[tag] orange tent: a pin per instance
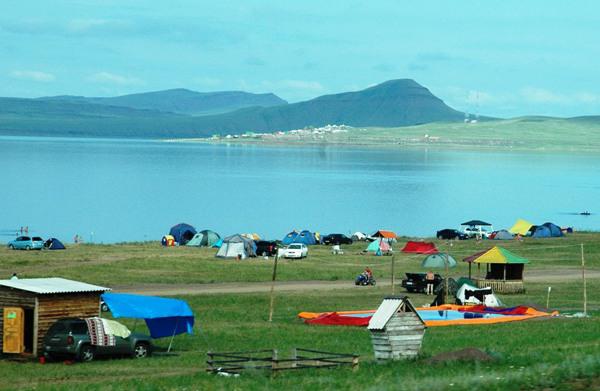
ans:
(384, 234)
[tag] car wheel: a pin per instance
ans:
(28, 247)
(86, 354)
(141, 350)
(11, 247)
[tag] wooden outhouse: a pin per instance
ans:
(396, 329)
(28, 307)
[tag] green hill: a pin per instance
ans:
(393, 103)
(181, 101)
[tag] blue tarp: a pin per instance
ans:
(164, 317)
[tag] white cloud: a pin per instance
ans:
(112, 78)
(33, 75)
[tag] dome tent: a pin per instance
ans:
(54, 244)
(503, 235)
(204, 238)
(305, 237)
(237, 246)
(182, 233)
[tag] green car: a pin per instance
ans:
(69, 338)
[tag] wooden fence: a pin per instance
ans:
(502, 286)
(235, 362)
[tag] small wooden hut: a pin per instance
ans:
(396, 329)
(28, 307)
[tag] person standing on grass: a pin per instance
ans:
(429, 279)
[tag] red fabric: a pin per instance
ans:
(481, 309)
(420, 248)
(335, 319)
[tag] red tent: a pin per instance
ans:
(420, 248)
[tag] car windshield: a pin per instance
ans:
(37, 239)
(295, 246)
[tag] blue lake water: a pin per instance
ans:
(126, 190)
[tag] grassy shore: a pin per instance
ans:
(551, 354)
(137, 263)
(542, 134)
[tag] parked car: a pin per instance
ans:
(451, 234)
(295, 250)
(415, 282)
(26, 243)
(69, 337)
(336, 239)
(473, 232)
(266, 247)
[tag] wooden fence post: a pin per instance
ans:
(273, 287)
(393, 288)
(584, 282)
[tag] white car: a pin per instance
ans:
(295, 250)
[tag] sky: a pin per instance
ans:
(500, 58)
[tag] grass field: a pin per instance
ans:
(559, 353)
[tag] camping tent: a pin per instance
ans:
(358, 236)
(554, 229)
(540, 231)
(305, 237)
(204, 238)
(182, 233)
(252, 236)
(237, 246)
(379, 247)
(54, 244)
(164, 317)
(521, 227)
(419, 248)
(389, 235)
(503, 235)
(489, 300)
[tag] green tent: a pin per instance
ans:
(205, 238)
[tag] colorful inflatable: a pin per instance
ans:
(444, 315)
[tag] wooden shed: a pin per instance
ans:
(396, 329)
(28, 307)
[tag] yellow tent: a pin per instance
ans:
(521, 227)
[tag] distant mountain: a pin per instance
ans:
(390, 104)
(393, 103)
(181, 101)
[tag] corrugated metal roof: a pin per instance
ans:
(387, 308)
(51, 285)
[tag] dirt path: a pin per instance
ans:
(539, 275)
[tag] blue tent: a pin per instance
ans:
(555, 230)
(54, 244)
(164, 317)
(182, 233)
(305, 237)
(541, 232)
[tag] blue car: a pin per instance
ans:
(26, 243)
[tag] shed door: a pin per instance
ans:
(12, 336)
